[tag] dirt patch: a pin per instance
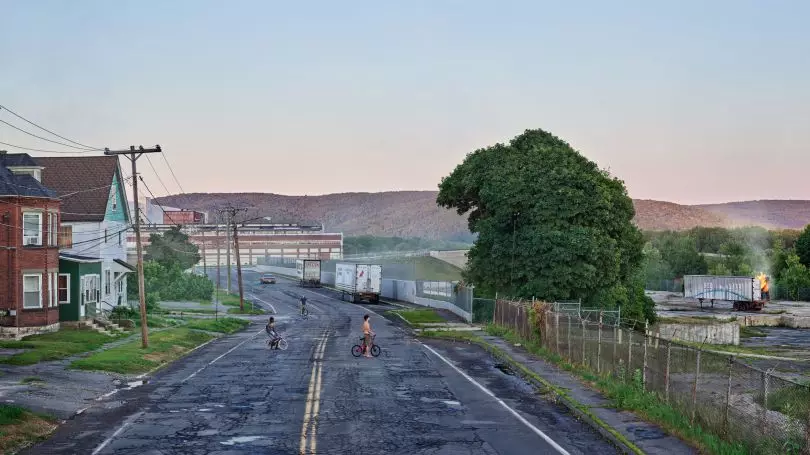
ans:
(165, 356)
(30, 429)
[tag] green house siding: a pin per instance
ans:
(70, 311)
(116, 203)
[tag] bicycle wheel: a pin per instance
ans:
(282, 344)
(357, 350)
(305, 312)
(375, 350)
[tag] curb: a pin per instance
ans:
(579, 410)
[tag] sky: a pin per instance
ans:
(688, 101)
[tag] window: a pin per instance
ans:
(105, 236)
(65, 236)
(107, 283)
(114, 200)
(90, 288)
(53, 228)
(32, 291)
(63, 288)
(32, 228)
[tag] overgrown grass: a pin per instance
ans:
(624, 395)
(31, 380)
(247, 310)
(156, 321)
(20, 428)
(420, 316)
(792, 401)
(164, 347)
(223, 325)
(702, 320)
(56, 345)
(751, 332)
(229, 299)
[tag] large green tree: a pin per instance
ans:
(172, 249)
(550, 223)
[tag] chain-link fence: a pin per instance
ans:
(483, 310)
(741, 403)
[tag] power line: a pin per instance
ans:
(156, 175)
(45, 129)
(43, 150)
(172, 171)
(83, 149)
(165, 212)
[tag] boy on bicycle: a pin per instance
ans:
(367, 334)
(271, 330)
(303, 305)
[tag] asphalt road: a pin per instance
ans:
(234, 396)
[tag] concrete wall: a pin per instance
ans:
(775, 320)
(725, 333)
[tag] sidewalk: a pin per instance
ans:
(650, 438)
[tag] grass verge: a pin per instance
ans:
(247, 310)
(20, 428)
(223, 325)
(625, 396)
(54, 346)
(420, 316)
(164, 347)
(751, 332)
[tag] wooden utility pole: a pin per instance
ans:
(132, 154)
(231, 224)
(238, 268)
(228, 250)
(205, 267)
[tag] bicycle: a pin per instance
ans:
(282, 344)
(304, 312)
(360, 349)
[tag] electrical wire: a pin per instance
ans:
(165, 212)
(182, 191)
(45, 129)
(43, 150)
(157, 175)
(83, 150)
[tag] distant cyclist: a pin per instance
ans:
(303, 306)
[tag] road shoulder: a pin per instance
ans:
(627, 431)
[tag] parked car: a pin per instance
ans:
(268, 279)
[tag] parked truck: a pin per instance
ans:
(745, 292)
(308, 272)
(359, 281)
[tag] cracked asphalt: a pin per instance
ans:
(234, 396)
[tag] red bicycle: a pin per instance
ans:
(360, 349)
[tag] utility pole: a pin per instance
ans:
(132, 154)
(219, 267)
(228, 251)
(205, 267)
(231, 213)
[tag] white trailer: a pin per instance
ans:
(743, 291)
(308, 272)
(360, 281)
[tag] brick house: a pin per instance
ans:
(29, 255)
(93, 233)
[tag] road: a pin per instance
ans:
(234, 396)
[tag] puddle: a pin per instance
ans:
(240, 440)
(505, 369)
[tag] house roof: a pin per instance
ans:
(83, 184)
(78, 258)
(17, 160)
(20, 185)
(125, 264)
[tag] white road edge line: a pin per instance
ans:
(517, 415)
(221, 356)
(117, 432)
(255, 297)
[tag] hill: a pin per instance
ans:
(415, 214)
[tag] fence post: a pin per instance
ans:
(765, 381)
(583, 342)
(644, 364)
(517, 316)
(695, 387)
(570, 357)
(629, 372)
(557, 332)
(666, 371)
(807, 431)
(728, 397)
(616, 338)
(599, 346)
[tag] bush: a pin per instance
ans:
(152, 302)
(124, 312)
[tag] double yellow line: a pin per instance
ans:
(313, 404)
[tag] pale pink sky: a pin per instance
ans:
(689, 102)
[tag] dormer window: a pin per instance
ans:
(34, 172)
